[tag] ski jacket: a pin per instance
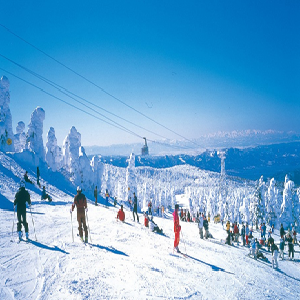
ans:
(177, 227)
(243, 231)
(79, 202)
(95, 193)
(228, 226)
(121, 215)
(200, 224)
(282, 232)
(135, 200)
(22, 196)
(146, 222)
(253, 244)
(236, 229)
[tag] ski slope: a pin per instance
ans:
(123, 260)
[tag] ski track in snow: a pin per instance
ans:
(125, 260)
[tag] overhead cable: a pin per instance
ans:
(96, 85)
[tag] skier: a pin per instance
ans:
(45, 196)
(26, 178)
(274, 249)
(270, 240)
(135, 208)
(281, 247)
(38, 176)
(253, 248)
(96, 195)
(115, 201)
(294, 232)
(282, 232)
(150, 208)
(121, 214)
(200, 225)
(247, 234)
(106, 196)
(22, 196)
(153, 226)
(205, 225)
(264, 228)
(289, 239)
(146, 219)
(236, 232)
(81, 204)
(243, 234)
(228, 226)
(177, 228)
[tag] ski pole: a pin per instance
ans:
(32, 222)
(183, 240)
(72, 226)
(12, 230)
(87, 220)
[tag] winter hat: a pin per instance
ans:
(78, 189)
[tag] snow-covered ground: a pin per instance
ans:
(124, 260)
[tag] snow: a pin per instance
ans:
(123, 260)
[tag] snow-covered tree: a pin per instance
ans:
(20, 137)
(6, 132)
(34, 138)
(71, 145)
(53, 152)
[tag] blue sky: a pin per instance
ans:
(196, 67)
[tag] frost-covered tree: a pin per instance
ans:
(71, 145)
(272, 203)
(34, 138)
(6, 132)
(289, 204)
(20, 137)
(53, 152)
(130, 177)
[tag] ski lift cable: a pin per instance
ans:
(114, 125)
(66, 92)
(94, 84)
(53, 96)
(47, 81)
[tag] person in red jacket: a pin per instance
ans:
(80, 203)
(146, 219)
(121, 214)
(177, 228)
(236, 232)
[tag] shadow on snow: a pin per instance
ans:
(110, 249)
(213, 267)
(43, 246)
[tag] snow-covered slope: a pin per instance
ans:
(123, 260)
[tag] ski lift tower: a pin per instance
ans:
(145, 150)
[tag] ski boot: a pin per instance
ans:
(20, 235)
(86, 239)
(27, 235)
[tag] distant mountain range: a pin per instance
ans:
(274, 160)
(234, 139)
